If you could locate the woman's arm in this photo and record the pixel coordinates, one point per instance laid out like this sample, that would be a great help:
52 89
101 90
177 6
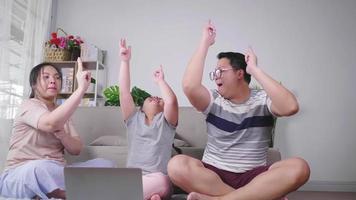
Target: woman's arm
70 139
55 120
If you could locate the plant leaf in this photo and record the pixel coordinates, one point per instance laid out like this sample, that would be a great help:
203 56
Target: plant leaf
112 94
139 95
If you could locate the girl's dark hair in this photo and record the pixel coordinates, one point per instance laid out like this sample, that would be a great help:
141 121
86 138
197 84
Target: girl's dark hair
36 71
237 61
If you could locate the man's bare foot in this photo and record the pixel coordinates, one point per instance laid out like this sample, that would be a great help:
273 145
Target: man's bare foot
155 197
198 196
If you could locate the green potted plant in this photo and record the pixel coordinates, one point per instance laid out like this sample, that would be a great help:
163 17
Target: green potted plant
112 95
139 95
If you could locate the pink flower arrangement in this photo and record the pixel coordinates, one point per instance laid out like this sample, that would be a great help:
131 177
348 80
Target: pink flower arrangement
68 42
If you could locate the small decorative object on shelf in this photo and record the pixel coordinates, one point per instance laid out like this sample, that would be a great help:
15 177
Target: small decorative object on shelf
93 95
67 80
62 48
89 52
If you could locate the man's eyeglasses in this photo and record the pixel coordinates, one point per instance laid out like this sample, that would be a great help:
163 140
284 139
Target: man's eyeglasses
217 73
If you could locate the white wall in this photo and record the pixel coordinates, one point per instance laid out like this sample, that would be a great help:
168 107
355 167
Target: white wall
310 46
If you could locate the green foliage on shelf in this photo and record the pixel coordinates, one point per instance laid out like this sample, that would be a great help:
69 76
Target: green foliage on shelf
112 96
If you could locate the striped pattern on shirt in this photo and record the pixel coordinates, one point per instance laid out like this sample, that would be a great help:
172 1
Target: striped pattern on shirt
238 134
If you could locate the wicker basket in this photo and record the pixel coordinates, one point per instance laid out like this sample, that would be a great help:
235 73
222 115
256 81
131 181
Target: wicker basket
55 54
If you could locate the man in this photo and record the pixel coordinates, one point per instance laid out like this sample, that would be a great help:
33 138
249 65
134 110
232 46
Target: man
239 122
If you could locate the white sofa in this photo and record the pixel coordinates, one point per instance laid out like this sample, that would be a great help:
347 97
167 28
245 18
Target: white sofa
106 124
104 134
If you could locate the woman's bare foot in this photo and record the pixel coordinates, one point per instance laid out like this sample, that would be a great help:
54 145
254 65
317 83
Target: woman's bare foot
155 197
57 194
198 196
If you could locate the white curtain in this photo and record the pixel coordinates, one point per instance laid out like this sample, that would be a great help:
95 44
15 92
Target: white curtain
5 24
24 26
36 32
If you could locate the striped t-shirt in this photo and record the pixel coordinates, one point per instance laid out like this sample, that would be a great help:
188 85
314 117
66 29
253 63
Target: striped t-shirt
238 134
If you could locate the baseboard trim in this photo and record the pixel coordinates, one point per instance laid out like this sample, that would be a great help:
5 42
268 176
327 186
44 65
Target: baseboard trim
334 186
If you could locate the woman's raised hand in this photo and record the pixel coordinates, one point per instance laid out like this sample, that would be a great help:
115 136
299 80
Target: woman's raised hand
83 77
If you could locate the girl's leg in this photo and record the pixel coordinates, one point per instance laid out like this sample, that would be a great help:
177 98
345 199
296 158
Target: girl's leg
156 184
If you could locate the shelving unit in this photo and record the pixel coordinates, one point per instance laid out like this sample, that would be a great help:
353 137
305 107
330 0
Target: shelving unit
94 93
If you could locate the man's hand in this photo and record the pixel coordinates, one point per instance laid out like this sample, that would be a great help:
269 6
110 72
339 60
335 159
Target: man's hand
209 34
158 75
125 52
251 60
83 77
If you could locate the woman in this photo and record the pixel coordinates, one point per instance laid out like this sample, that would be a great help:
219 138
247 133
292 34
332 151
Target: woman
150 130
42 131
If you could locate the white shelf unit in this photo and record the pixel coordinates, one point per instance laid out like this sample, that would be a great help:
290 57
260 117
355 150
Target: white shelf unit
98 72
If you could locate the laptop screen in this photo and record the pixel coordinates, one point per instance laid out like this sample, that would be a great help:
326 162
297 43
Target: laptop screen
84 183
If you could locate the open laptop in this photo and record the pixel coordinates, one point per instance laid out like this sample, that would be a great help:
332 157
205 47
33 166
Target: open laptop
103 183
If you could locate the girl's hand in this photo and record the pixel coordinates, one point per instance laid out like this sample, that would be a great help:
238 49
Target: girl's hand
158 75
125 52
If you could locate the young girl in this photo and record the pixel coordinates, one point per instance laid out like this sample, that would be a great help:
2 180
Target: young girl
151 130
41 132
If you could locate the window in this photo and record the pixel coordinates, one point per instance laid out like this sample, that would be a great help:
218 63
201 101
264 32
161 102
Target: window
21 22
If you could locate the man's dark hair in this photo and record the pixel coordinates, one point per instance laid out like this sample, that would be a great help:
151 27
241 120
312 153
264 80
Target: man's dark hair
36 71
237 61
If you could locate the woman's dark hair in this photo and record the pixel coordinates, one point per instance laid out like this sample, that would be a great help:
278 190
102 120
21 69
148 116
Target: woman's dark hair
36 71
237 61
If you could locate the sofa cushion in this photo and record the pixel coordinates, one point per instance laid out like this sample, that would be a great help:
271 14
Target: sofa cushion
180 143
118 154
273 155
113 140
109 140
